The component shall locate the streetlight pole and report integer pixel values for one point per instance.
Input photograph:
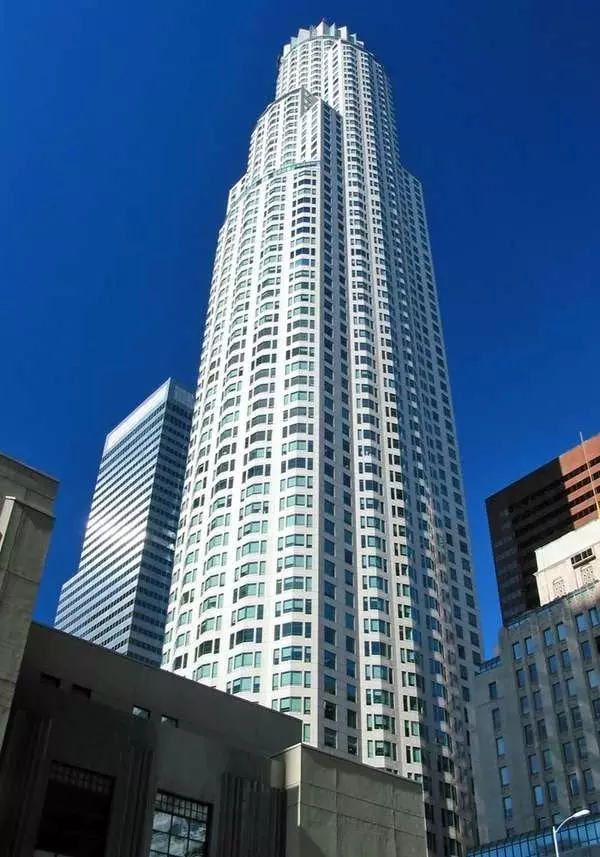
(555, 830)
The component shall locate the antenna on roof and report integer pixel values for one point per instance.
(589, 473)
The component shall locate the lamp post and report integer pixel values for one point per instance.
(555, 830)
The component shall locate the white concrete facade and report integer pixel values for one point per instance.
(323, 564)
(568, 563)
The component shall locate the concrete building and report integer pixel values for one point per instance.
(106, 757)
(537, 509)
(569, 563)
(26, 521)
(323, 565)
(537, 756)
(118, 597)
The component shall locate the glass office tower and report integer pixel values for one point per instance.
(323, 564)
(118, 597)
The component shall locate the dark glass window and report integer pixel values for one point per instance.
(179, 826)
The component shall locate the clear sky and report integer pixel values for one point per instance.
(124, 122)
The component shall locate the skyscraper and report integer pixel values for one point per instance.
(323, 564)
(119, 594)
(542, 506)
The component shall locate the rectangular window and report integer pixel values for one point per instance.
(179, 826)
(592, 678)
(548, 637)
(493, 690)
(581, 622)
(500, 748)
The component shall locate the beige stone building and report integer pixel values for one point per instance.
(537, 750)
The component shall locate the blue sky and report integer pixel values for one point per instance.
(125, 123)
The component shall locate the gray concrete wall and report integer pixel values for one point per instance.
(26, 521)
(338, 807)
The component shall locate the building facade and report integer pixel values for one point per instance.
(26, 522)
(568, 563)
(551, 501)
(323, 564)
(580, 838)
(537, 756)
(118, 597)
(105, 756)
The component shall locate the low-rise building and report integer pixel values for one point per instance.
(108, 757)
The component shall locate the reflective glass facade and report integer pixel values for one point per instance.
(323, 564)
(118, 597)
(576, 839)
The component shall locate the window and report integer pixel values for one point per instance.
(504, 775)
(581, 622)
(592, 678)
(516, 650)
(548, 636)
(552, 665)
(565, 659)
(568, 754)
(524, 704)
(529, 645)
(561, 631)
(547, 759)
(493, 690)
(496, 721)
(143, 713)
(563, 723)
(586, 650)
(330, 738)
(329, 710)
(179, 826)
(170, 721)
(538, 795)
(557, 693)
(576, 717)
(533, 764)
(533, 673)
(573, 785)
(528, 734)
(552, 791)
(541, 729)
(537, 700)
(594, 614)
(571, 689)
(588, 780)
(508, 807)
(582, 750)
(500, 748)
(520, 676)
